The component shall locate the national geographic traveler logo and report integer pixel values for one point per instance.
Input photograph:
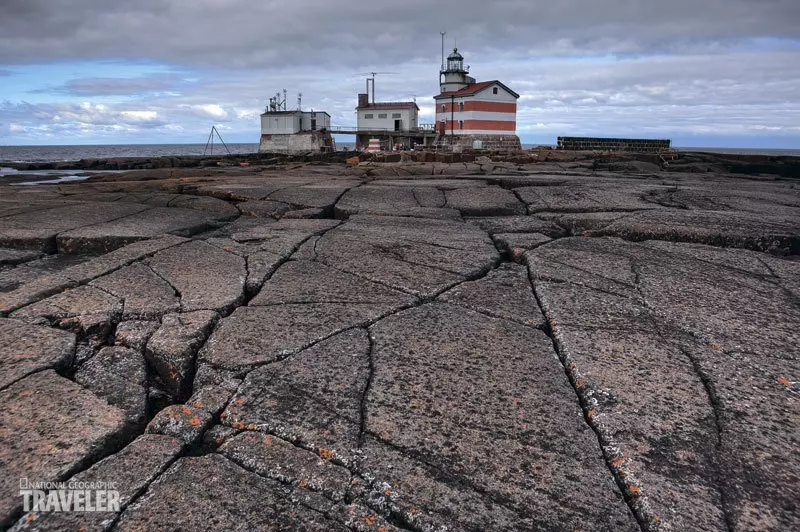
(70, 496)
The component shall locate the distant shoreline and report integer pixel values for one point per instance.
(69, 153)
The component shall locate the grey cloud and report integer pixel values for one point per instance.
(242, 33)
(119, 86)
(613, 66)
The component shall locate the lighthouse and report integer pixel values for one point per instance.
(474, 113)
(453, 77)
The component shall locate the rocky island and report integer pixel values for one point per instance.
(412, 342)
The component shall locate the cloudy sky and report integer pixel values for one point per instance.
(702, 72)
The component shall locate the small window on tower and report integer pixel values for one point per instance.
(494, 90)
(443, 108)
(460, 124)
(460, 107)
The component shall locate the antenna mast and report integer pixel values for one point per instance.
(443, 33)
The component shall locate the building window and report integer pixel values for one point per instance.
(460, 107)
(460, 124)
(395, 115)
(443, 108)
(494, 90)
(368, 115)
(382, 115)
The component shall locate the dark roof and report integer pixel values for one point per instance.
(469, 90)
(293, 112)
(455, 55)
(389, 106)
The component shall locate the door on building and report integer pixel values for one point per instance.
(313, 124)
(397, 124)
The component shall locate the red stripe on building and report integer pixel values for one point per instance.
(490, 107)
(482, 125)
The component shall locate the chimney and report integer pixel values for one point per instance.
(363, 100)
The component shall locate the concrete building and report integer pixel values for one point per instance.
(291, 122)
(386, 116)
(471, 113)
(294, 132)
(393, 124)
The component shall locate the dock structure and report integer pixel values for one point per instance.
(612, 144)
(424, 136)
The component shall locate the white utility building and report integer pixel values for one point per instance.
(291, 122)
(295, 132)
(386, 116)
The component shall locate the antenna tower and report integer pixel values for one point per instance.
(210, 141)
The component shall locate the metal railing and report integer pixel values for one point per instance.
(345, 130)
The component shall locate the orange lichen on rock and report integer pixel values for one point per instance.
(194, 421)
(784, 381)
(326, 454)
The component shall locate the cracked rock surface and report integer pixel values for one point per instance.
(405, 346)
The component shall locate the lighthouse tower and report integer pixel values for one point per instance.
(453, 77)
(470, 113)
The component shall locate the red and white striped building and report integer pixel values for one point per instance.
(467, 107)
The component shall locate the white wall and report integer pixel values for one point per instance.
(280, 123)
(323, 120)
(288, 123)
(453, 81)
(485, 95)
(408, 119)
